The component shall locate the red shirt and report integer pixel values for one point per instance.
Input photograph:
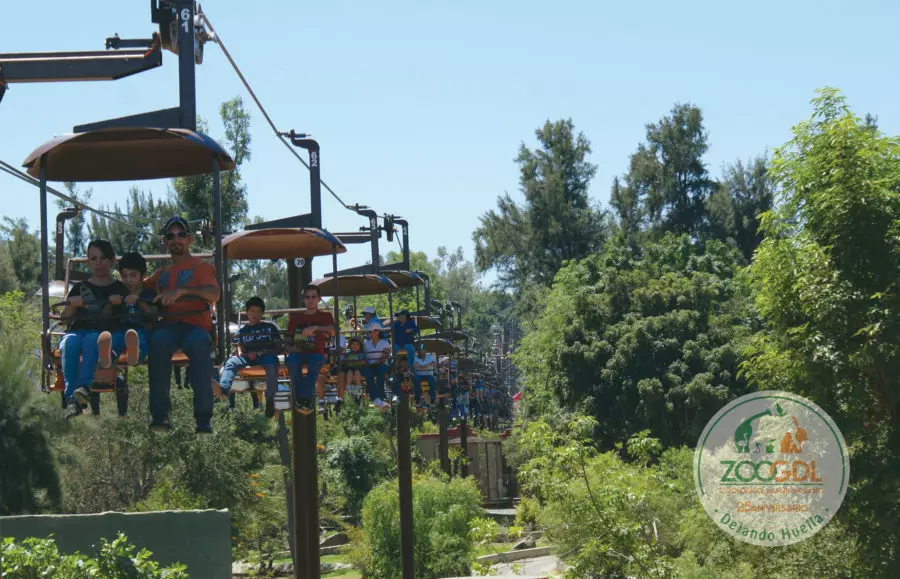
(300, 320)
(192, 272)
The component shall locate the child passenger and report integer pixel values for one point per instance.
(79, 348)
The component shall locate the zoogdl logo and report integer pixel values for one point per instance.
(771, 468)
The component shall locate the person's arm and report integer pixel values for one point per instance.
(208, 288)
(73, 301)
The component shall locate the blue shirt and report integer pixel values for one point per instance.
(258, 337)
(401, 338)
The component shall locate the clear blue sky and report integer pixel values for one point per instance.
(420, 106)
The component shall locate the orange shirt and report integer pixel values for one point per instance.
(192, 272)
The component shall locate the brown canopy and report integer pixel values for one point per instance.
(465, 363)
(127, 154)
(454, 335)
(403, 279)
(438, 346)
(281, 243)
(367, 284)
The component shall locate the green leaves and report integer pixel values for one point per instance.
(641, 341)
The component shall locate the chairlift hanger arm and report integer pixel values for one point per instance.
(34, 67)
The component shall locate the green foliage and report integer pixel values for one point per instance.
(744, 193)
(353, 467)
(826, 285)
(667, 186)
(194, 194)
(527, 244)
(24, 250)
(28, 477)
(641, 341)
(76, 238)
(116, 559)
(442, 513)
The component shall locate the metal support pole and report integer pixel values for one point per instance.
(444, 439)
(186, 73)
(284, 451)
(305, 467)
(220, 273)
(404, 467)
(464, 443)
(45, 261)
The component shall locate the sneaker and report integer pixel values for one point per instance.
(132, 347)
(72, 409)
(270, 406)
(160, 425)
(104, 345)
(304, 406)
(83, 395)
(203, 428)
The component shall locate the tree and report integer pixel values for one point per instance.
(826, 283)
(76, 238)
(24, 248)
(8, 281)
(28, 479)
(667, 184)
(649, 341)
(527, 244)
(744, 193)
(146, 215)
(195, 194)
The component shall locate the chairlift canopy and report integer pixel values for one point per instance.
(281, 243)
(368, 284)
(127, 154)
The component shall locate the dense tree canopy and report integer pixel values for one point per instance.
(647, 341)
(528, 243)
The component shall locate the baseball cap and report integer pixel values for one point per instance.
(176, 220)
(369, 310)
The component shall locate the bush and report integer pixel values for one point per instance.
(34, 558)
(28, 476)
(442, 513)
(354, 468)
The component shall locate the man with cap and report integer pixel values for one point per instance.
(404, 336)
(187, 325)
(369, 317)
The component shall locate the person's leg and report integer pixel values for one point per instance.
(163, 343)
(197, 346)
(410, 357)
(294, 364)
(232, 400)
(369, 373)
(314, 363)
(89, 357)
(231, 367)
(95, 403)
(380, 373)
(110, 345)
(70, 350)
(270, 363)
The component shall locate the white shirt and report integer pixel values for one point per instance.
(421, 363)
(373, 351)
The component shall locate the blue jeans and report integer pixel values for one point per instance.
(410, 353)
(417, 385)
(233, 364)
(304, 387)
(118, 344)
(79, 359)
(374, 376)
(195, 342)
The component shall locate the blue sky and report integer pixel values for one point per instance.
(420, 106)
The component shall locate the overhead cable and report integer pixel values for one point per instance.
(218, 40)
(15, 172)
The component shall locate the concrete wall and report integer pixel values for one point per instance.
(199, 539)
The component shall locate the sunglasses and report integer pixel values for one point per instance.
(179, 235)
(310, 297)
